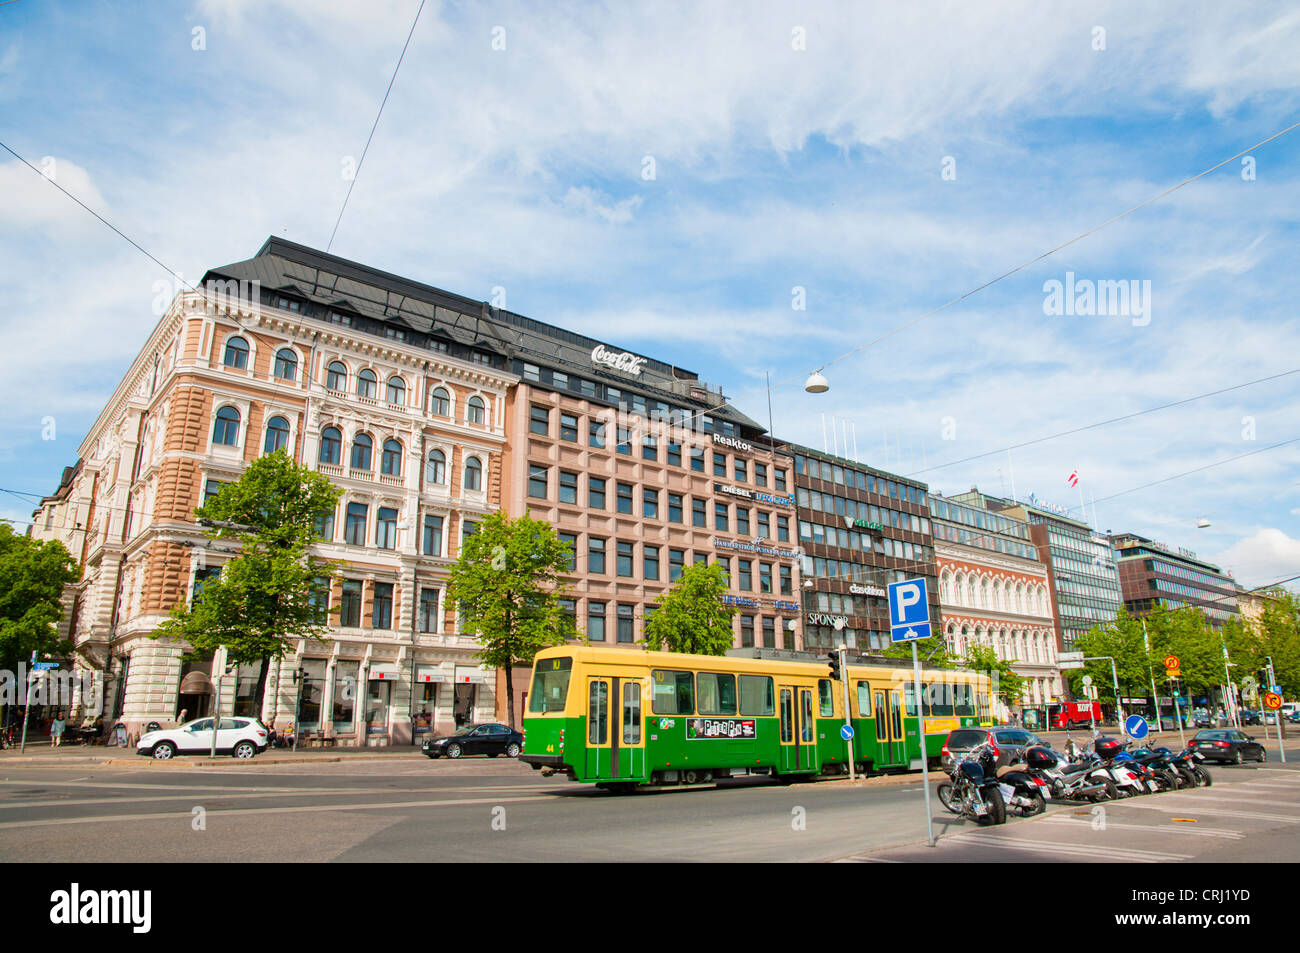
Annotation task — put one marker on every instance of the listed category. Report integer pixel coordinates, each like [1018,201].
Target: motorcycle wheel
[997,812]
[1203,775]
[1038,804]
[1109,793]
[946,798]
[1165,782]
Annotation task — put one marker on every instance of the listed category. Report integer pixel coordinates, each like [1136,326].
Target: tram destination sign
[704,728]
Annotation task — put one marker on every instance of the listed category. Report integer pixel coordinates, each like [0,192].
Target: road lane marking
[300,809]
[1159,828]
[1129,855]
[1224,812]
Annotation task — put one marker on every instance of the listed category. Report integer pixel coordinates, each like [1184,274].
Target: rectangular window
[674,507]
[345,694]
[764,525]
[716,693]
[756,695]
[350,610]
[769,633]
[598,713]
[569,428]
[625,498]
[746,582]
[624,441]
[650,503]
[381,614]
[537,482]
[742,470]
[764,577]
[561,381]
[595,555]
[568,487]
[596,621]
[697,459]
[596,434]
[720,520]
[354,530]
[324,527]
[433,536]
[626,626]
[675,454]
[742,520]
[787,582]
[699,559]
[539,421]
[699,513]
[825,698]
[596,492]
[428,610]
[674,693]
[760,473]
[649,448]
[719,464]
[586,388]
[386,528]
[532,373]
[631,713]
[571,540]
[651,561]
[864,700]
[783,528]
[746,631]
[779,478]
[676,562]
[625,560]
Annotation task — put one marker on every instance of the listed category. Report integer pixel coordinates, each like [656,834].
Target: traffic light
[1262,676]
[834,658]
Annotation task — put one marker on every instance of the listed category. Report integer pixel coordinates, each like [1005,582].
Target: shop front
[424,701]
[379,697]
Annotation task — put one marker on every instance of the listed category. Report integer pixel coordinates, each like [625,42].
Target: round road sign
[1171,661]
[1273,701]
[1135,726]
[846,732]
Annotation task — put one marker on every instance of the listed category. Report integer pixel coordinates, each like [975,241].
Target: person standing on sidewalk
[56,729]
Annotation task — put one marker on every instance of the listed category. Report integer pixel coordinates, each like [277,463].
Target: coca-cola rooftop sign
[625,362]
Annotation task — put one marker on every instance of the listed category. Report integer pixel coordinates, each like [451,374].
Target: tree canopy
[32,576]
[691,617]
[273,591]
[507,585]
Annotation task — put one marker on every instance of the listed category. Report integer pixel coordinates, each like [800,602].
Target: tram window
[938,699]
[550,685]
[674,693]
[717,693]
[756,695]
[909,699]
[598,713]
[864,700]
[825,698]
[631,713]
[806,718]
[787,717]
[965,703]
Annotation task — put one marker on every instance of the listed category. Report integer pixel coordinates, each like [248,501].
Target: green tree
[32,576]
[507,586]
[691,617]
[1008,685]
[1121,640]
[273,592]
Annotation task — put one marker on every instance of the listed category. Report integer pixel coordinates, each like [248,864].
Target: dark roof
[329,282]
[793,448]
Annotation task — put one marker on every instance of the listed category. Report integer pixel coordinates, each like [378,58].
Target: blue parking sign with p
[909,610]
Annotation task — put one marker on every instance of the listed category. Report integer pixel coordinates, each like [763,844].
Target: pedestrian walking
[57,727]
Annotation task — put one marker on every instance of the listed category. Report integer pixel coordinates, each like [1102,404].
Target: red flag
[1073,479]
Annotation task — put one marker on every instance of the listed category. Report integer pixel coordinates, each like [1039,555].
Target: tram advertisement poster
[720,728]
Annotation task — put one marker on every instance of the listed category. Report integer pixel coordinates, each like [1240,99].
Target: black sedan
[491,740]
[1227,744]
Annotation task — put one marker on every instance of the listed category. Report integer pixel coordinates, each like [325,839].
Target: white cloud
[1267,556]
[31,202]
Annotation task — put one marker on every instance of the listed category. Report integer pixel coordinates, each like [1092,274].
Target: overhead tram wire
[1102,423]
[356,175]
[1208,466]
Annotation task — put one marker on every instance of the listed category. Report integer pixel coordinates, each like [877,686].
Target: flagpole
[1011,466]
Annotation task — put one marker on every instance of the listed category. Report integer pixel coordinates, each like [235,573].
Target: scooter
[1069,781]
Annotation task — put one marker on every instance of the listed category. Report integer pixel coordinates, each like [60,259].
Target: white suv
[241,737]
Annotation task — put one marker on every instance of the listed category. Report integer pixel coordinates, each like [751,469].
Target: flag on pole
[1073,478]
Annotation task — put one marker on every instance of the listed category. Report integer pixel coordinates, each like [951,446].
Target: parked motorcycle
[1023,790]
[1190,759]
[972,790]
[1067,781]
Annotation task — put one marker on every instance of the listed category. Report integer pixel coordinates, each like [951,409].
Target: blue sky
[793,147]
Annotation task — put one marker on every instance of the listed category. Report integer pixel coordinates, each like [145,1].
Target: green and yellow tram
[621,718]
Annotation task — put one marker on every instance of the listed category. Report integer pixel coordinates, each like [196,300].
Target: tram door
[798,731]
[889,728]
[615,729]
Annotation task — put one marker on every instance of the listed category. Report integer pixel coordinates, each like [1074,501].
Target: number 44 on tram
[622,719]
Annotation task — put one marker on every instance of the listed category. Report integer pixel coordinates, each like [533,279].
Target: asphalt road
[412,809]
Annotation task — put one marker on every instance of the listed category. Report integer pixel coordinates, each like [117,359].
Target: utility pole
[848,722]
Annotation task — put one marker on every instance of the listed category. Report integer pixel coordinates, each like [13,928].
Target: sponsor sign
[739,601]
[384,673]
[753,548]
[861,524]
[867,590]
[733,443]
[786,605]
[619,361]
[703,728]
[756,495]
[821,618]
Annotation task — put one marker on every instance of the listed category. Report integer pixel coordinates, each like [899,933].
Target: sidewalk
[47,756]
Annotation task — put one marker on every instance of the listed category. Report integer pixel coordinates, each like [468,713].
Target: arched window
[475,410]
[336,376]
[391,461]
[396,390]
[367,383]
[436,470]
[473,474]
[277,435]
[331,445]
[286,364]
[226,431]
[236,353]
[362,446]
[440,403]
